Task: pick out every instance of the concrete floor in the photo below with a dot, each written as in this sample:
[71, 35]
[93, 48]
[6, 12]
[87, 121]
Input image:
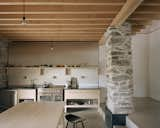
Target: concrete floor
[93, 118]
[147, 113]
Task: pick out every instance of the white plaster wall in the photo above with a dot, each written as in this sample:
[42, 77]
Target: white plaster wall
[102, 77]
[154, 60]
[140, 64]
[66, 53]
[146, 62]
[24, 77]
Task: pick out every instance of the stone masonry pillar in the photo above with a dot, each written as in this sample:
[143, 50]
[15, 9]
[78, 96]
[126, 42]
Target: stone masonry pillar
[119, 70]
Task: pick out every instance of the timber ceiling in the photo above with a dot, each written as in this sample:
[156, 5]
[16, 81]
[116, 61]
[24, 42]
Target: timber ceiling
[68, 20]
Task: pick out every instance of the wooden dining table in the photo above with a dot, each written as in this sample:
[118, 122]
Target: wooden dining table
[34, 115]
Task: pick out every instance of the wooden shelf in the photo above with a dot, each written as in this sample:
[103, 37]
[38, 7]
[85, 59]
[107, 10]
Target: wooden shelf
[89, 66]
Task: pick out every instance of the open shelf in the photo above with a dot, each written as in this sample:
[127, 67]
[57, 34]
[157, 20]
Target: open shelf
[82, 98]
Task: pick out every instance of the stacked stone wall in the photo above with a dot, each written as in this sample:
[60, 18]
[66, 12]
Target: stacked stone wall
[119, 70]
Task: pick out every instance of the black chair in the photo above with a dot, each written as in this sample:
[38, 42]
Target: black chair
[74, 120]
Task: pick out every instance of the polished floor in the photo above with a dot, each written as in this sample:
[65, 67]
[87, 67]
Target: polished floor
[147, 113]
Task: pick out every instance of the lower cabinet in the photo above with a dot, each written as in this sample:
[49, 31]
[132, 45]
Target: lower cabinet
[26, 95]
[50, 94]
[82, 98]
[8, 98]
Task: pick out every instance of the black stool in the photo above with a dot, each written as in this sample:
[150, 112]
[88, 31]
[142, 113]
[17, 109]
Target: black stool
[74, 120]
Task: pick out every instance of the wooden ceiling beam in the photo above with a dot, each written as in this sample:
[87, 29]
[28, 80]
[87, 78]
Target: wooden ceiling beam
[139, 22]
[41, 9]
[54, 39]
[151, 2]
[143, 9]
[128, 8]
[59, 20]
[51, 29]
[147, 9]
[61, 12]
[28, 35]
[62, 2]
[77, 16]
[58, 16]
[101, 22]
[149, 17]
[58, 9]
[72, 20]
[56, 24]
[51, 32]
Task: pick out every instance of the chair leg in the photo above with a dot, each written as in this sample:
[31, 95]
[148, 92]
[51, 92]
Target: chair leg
[74, 125]
[67, 125]
[83, 125]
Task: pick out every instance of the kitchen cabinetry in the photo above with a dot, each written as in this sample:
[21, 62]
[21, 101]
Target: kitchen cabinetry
[26, 95]
[50, 94]
[82, 98]
[8, 98]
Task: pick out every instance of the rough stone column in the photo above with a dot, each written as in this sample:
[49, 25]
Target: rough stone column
[119, 70]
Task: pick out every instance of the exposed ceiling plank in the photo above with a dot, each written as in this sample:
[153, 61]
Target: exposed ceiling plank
[62, 8]
[147, 9]
[139, 22]
[70, 20]
[56, 39]
[102, 22]
[52, 32]
[52, 38]
[59, 20]
[67, 22]
[51, 29]
[62, 2]
[62, 12]
[96, 24]
[59, 16]
[77, 16]
[151, 2]
[56, 35]
[46, 32]
[144, 17]
[41, 9]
